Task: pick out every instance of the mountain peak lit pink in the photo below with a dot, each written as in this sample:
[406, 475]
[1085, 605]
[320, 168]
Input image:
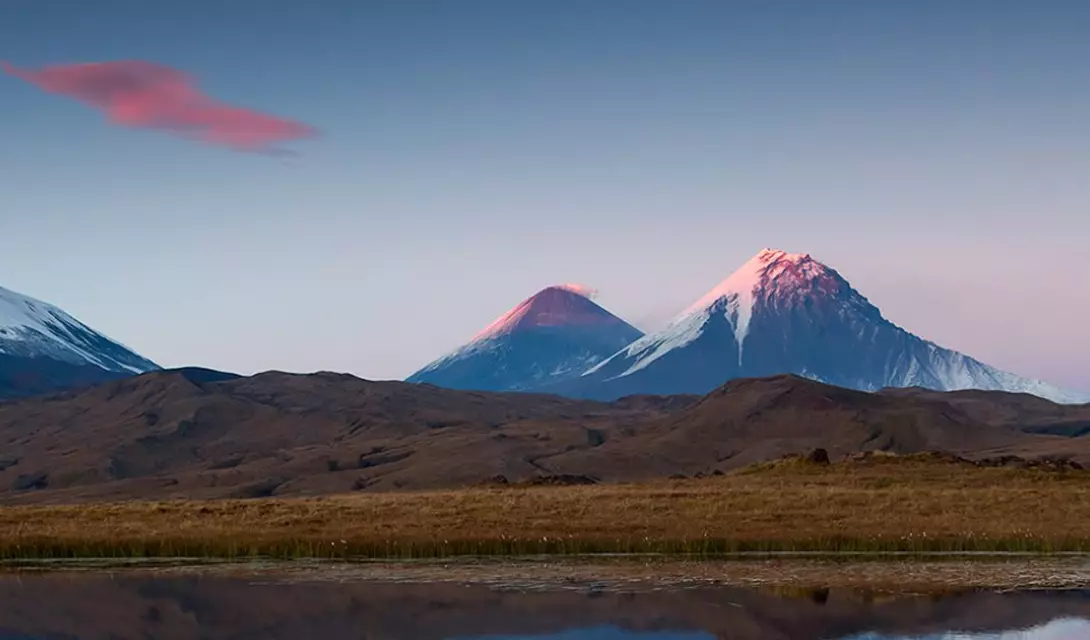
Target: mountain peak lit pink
[136, 93]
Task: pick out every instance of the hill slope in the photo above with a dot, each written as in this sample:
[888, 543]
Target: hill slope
[174, 433]
[188, 433]
[754, 420]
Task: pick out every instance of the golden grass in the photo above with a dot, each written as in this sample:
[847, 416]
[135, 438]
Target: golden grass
[896, 505]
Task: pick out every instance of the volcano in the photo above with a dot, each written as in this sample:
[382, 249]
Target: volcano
[787, 313]
[553, 336]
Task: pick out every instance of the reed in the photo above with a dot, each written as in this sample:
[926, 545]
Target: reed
[904, 505]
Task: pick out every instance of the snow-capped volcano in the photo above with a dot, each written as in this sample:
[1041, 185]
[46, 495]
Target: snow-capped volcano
[43, 348]
[788, 313]
[551, 336]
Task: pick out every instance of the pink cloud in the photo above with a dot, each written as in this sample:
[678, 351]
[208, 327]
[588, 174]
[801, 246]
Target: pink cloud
[135, 93]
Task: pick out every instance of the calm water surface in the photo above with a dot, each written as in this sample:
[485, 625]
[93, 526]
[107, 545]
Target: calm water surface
[238, 605]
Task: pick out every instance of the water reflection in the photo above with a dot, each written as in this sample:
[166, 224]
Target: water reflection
[179, 606]
[604, 633]
[1065, 629]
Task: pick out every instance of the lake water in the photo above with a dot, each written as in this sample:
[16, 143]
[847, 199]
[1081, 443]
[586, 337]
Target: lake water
[240, 604]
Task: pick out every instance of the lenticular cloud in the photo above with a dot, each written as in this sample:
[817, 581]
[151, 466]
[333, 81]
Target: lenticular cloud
[135, 93]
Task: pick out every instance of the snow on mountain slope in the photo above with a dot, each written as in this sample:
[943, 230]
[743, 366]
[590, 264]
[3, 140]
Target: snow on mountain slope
[32, 329]
[788, 313]
[551, 336]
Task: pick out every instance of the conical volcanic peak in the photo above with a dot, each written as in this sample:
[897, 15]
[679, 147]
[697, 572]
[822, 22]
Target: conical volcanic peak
[555, 306]
[768, 271]
[774, 277]
[758, 273]
[787, 313]
[553, 335]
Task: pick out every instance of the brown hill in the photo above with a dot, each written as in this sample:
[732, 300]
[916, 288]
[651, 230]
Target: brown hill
[753, 420]
[189, 434]
[1021, 410]
[175, 434]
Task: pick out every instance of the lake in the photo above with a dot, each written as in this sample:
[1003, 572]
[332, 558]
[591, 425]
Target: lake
[547, 601]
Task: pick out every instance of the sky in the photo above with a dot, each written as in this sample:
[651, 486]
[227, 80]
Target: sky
[361, 186]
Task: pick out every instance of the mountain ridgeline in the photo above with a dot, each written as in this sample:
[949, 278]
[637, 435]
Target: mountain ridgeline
[779, 313]
[44, 349]
[198, 434]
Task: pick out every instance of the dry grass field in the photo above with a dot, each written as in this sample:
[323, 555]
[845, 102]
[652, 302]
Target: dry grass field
[883, 504]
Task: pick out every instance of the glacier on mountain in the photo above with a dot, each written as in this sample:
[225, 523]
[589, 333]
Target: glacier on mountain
[788, 313]
[32, 329]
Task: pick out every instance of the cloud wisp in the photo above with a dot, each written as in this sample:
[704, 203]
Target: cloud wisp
[579, 289]
[136, 93]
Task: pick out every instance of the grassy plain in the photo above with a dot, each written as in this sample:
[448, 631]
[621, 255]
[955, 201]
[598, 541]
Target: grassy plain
[911, 504]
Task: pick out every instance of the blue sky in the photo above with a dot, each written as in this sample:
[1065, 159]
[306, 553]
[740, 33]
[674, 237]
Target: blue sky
[472, 152]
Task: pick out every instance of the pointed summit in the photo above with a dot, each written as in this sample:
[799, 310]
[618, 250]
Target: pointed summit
[558, 305]
[549, 337]
[771, 272]
[789, 313]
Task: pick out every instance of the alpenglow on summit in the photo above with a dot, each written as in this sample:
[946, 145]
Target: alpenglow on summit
[779, 313]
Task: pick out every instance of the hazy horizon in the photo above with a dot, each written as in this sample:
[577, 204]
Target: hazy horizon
[453, 160]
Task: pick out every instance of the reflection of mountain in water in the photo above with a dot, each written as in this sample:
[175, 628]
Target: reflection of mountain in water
[1060, 629]
[182, 606]
[1066, 629]
[604, 633]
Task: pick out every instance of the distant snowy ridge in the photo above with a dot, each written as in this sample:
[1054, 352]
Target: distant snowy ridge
[949, 370]
[30, 328]
[788, 313]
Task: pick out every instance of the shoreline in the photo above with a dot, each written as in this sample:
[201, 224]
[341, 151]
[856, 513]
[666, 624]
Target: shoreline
[921, 575]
